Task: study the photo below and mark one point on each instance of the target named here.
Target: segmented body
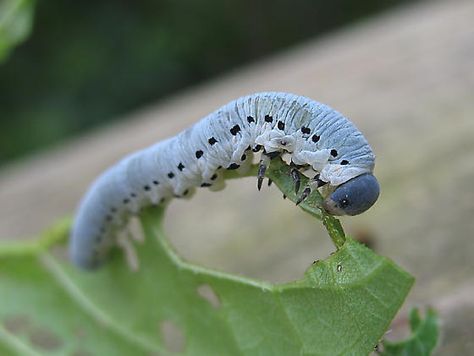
(312, 133)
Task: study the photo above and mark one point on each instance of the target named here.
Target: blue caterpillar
(312, 135)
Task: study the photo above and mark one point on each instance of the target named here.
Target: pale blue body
(171, 168)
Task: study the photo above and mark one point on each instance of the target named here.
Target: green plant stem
(335, 230)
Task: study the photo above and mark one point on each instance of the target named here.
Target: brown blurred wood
(406, 79)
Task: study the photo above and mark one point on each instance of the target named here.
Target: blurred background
(82, 85)
(83, 66)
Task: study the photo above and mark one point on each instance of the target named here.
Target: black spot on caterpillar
(313, 134)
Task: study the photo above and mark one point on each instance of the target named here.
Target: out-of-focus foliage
(86, 63)
(423, 339)
(16, 17)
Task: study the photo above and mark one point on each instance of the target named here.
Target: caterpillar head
(354, 196)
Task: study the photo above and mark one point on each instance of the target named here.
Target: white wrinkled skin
(131, 184)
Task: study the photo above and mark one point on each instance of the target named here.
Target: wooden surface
(405, 78)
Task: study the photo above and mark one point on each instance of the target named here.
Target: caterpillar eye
(344, 203)
(353, 197)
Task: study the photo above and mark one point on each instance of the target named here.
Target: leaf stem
(335, 230)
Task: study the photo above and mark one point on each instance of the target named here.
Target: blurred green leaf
(342, 305)
(424, 338)
(16, 20)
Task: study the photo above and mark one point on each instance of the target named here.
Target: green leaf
(343, 305)
(16, 19)
(424, 338)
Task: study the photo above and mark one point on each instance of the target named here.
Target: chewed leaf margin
(347, 300)
(343, 304)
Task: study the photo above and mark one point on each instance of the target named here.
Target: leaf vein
(91, 309)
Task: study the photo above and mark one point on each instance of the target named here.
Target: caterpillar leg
(124, 241)
(263, 165)
(314, 183)
(296, 176)
(262, 168)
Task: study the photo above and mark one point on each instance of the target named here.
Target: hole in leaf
(339, 268)
(172, 336)
(207, 293)
(44, 339)
(16, 324)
